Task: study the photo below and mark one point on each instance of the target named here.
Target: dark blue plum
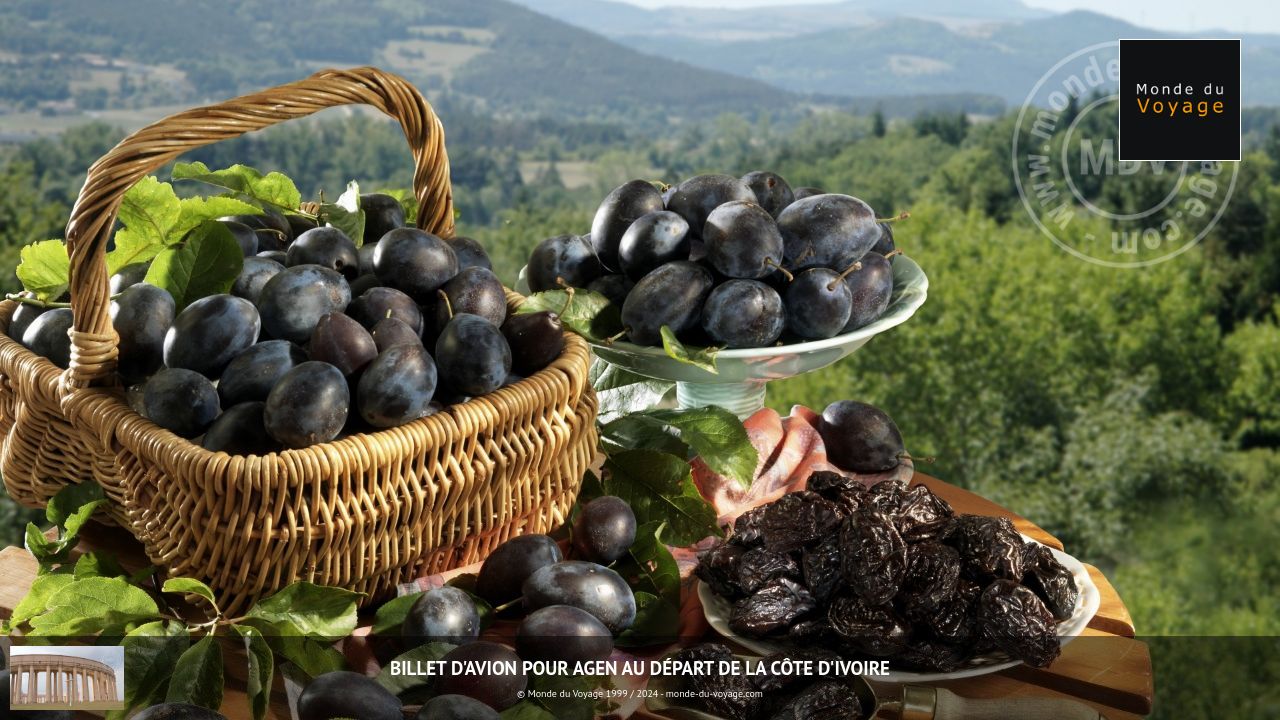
(652, 240)
(254, 276)
(382, 214)
(871, 287)
(327, 247)
(472, 356)
(415, 262)
(344, 694)
(564, 633)
(141, 316)
(240, 430)
(562, 260)
(308, 405)
(397, 386)
(830, 231)
(444, 614)
(47, 336)
(695, 198)
(292, 302)
(771, 191)
(818, 304)
(620, 208)
(742, 241)
(671, 295)
(604, 530)
(253, 372)
(503, 573)
(586, 586)
(209, 332)
(181, 401)
(744, 314)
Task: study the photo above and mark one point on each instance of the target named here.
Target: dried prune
(746, 529)
(760, 565)
(885, 496)
(845, 492)
(1051, 582)
(1017, 622)
(872, 630)
(722, 694)
(989, 546)
(931, 656)
(873, 556)
(816, 630)
(821, 567)
(798, 519)
(921, 514)
(823, 700)
(774, 608)
(718, 567)
(933, 570)
(954, 620)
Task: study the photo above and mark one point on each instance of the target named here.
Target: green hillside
(67, 55)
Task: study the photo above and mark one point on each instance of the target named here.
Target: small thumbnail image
(65, 678)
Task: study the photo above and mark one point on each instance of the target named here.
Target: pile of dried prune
(892, 572)
(769, 694)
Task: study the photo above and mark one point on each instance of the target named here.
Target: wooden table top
(1106, 668)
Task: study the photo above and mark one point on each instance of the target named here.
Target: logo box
(1180, 100)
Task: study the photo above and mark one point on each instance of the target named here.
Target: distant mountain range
(885, 47)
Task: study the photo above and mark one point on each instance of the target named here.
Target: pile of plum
(889, 572)
(733, 262)
(317, 337)
(574, 609)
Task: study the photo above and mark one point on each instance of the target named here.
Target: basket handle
(93, 340)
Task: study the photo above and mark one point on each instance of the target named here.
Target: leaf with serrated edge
(585, 312)
(71, 499)
(45, 269)
(620, 392)
(196, 210)
(717, 436)
(93, 605)
(150, 653)
(96, 564)
(659, 487)
(316, 611)
(704, 358)
(197, 676)
(261, 667)
(206, 263)
(184, 585)
(402, 682)
(37, 598)
(274, 188)
(655, 561)
(346, 214)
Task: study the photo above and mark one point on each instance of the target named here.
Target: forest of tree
(1133, 413)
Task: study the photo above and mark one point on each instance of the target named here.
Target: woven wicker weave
(364, 512)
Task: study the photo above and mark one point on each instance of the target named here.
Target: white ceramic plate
(717, 610)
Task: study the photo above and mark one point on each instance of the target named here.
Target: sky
(1174, 15)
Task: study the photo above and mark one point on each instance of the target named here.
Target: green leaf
(400, 683)
(273, 189)
(315, 611)
(390, 616)
(71, 500)
(197, 677)
(659, 487)
(93, 605)
(346, 214)
(656, 564)
(657, 623)
(97, 564)
(714, 434)
(312, 657)
(407, 200)
(37, 598)
(526, 710)
(186, 585)
(148, 212)
(150, 653)
(587, 313)
(45, 269)
(45, 550)
(633, 431)
(621, 391)
(195, 210)
(261, 667)
(206, 262)
(704, 358)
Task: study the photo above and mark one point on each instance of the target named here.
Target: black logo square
(1179, 100)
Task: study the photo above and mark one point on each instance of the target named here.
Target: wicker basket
(365, 512)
